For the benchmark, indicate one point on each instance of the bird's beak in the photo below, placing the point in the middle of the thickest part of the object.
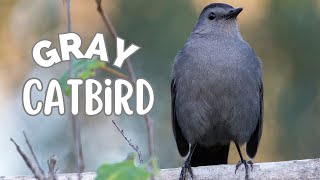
(233, 13)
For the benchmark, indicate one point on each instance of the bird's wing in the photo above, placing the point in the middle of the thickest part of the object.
(182, 143)
(253, 143)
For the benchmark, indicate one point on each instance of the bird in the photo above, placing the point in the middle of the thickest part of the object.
(216, 92)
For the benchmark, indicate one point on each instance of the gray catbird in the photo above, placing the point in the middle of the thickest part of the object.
(217, 92)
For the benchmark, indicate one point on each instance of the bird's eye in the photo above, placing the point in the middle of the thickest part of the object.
(211, 16)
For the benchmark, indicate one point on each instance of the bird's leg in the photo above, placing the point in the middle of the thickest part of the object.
(187, 165)
(244, 162)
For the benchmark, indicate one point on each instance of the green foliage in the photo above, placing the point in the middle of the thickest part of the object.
(295, 26)
(125, 170)
(82, 69)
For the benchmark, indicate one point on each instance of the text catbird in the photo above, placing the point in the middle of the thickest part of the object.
(217, 92)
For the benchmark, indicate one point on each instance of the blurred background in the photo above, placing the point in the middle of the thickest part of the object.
(284, 34)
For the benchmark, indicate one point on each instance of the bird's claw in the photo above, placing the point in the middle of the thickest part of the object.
(183, 174)
(246, 165)
(251, 164)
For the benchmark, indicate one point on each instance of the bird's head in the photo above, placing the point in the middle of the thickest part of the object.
(218, 18)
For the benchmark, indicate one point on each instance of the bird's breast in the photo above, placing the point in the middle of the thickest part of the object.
(217, 99)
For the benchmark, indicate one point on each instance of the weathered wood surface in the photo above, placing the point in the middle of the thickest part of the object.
(285, 170)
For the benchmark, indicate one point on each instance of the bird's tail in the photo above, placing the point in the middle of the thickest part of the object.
(214, 155)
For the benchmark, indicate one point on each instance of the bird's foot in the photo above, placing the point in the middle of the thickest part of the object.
(186, 167)
(246, 166)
